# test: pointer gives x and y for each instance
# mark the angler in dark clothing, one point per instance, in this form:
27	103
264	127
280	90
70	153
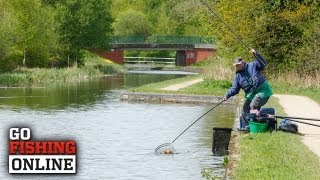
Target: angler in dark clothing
249	78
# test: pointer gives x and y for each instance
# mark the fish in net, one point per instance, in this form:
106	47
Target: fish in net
166	148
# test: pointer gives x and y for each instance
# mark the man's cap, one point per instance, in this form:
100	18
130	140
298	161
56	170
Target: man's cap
237	61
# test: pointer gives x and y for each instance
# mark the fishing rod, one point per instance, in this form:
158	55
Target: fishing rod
238	37
170	144
317	125
300	118
197	120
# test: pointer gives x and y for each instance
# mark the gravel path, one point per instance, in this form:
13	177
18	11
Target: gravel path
176	87
301	106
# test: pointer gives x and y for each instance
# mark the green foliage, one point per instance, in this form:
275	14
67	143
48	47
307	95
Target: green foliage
156	15
94	66
132	22
105	66
216	84
281	40
30	36
85	23
285	32
43	33
28	76
207	173
9	79
225	161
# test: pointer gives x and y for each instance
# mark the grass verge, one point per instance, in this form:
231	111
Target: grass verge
312	92
156	87
206	87
278	155
262	156
275	156
105	66
209	87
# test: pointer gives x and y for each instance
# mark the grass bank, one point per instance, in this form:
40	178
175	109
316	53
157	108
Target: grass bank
26	76
262	156
156	87
105	66
281	87
206	87
218	68
278	155
275	156
94	66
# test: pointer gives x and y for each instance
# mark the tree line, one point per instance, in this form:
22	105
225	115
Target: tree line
286	32
45	33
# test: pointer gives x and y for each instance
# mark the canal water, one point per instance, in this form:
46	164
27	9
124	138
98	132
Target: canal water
115	139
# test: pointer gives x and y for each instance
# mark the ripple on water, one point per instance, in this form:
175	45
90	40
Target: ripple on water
116	139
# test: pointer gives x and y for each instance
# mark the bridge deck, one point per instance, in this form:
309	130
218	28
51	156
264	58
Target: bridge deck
161	42
173	47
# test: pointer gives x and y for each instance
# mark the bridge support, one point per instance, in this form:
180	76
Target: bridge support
188	57
183	57
114	55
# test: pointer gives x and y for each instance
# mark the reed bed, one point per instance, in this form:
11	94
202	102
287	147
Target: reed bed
26	76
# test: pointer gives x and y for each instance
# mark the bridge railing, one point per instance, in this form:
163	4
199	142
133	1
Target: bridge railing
149	60
161	40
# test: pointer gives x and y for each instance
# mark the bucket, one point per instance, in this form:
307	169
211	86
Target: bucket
256	127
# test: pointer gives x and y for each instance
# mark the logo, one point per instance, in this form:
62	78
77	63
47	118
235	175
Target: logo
40	157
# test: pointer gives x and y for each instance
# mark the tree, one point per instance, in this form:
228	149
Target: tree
31	30
6	29
284	31
85	23
132	22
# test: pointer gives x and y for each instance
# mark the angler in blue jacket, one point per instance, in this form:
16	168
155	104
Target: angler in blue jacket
249	78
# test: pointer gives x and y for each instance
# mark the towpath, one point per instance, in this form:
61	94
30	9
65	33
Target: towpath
176	87
301	106
295	106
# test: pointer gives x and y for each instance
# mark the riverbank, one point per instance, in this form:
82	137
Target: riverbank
189	89
36	76
203	87
256	156
173	98
277	155
94	66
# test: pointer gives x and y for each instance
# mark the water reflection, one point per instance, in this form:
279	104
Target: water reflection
75	94
116	139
